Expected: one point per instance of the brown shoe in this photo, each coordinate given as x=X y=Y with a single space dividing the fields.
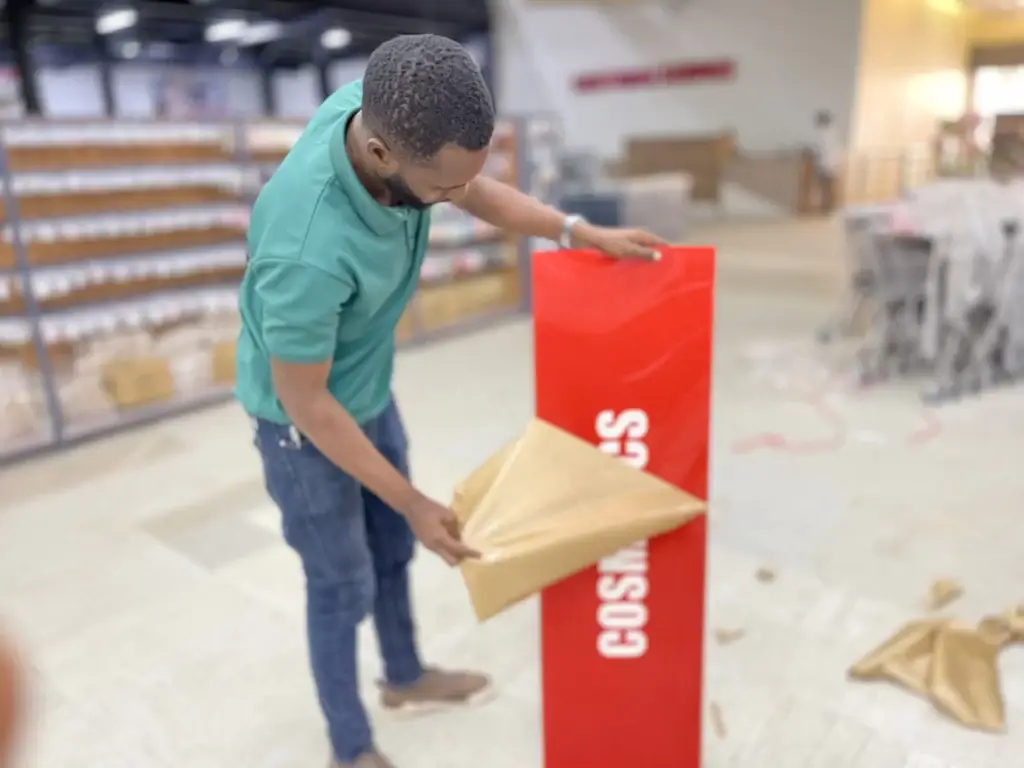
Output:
x=438 y=689
x=369 y=760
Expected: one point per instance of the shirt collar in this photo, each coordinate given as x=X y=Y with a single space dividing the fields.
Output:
x=383 y=220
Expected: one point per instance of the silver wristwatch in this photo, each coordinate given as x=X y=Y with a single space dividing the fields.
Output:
x=568 y=224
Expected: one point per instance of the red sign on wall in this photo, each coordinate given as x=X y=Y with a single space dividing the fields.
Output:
x=663 y=74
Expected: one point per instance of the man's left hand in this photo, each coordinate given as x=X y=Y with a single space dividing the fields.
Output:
x=619 y=243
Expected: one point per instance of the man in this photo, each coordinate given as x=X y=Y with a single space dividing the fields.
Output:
x=827 y=160
x=336 y=241
x=10 y=701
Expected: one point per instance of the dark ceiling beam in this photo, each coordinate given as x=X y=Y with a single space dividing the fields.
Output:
x=269 y=9
x=166 y=20
x=15 y=18
x=71 y=22
x=368 y=12
x=372 y=21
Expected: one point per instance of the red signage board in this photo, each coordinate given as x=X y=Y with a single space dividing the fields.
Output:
x=678 y=73
x=623 y=360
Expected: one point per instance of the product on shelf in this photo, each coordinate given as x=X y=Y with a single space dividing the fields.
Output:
x=268 y=143
x=77 y=193
x=110 y=235
x=132 y=383
x=84 y=397
x=42 y=145
x=118 y=357
x=10 y=295
x=473 y=298
x=90 y=282
x=445 y=266
x=452 y=227
x=23 y=414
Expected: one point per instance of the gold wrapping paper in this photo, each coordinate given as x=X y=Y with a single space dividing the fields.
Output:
x=954 y=665
x=550 y=505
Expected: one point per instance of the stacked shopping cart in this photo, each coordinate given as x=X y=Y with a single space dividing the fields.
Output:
x=937 y=284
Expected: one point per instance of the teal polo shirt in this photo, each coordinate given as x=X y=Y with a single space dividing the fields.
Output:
x=330 y=273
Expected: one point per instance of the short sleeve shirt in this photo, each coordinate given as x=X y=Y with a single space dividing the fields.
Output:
x=330 y=272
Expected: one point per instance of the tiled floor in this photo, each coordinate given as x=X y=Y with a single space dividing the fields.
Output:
x=148 y=582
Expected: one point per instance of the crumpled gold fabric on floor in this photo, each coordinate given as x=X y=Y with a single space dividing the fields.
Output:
x=953 y=665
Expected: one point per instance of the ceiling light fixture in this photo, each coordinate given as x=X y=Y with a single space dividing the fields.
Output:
x=223 y=31
x=115 y=21
x=241 y=32
x=336 y=38
x=260 y=32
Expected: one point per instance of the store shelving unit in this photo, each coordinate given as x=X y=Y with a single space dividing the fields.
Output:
x=122 y=248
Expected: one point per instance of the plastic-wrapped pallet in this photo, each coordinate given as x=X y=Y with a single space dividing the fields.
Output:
x=945 y=276
x=658 y=203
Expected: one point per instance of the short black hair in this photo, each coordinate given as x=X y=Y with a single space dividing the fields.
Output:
x=422 y=92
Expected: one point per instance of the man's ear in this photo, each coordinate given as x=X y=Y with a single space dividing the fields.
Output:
x=380 y=152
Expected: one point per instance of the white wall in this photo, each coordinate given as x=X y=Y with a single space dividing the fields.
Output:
x=793 y=58
x=912 y=72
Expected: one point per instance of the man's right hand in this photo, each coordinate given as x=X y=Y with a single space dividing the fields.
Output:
x=438 y=530
x=303 y=391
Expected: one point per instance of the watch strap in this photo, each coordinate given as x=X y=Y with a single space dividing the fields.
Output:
x=570 y=221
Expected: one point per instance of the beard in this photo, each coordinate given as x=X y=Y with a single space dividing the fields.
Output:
x=400 y=194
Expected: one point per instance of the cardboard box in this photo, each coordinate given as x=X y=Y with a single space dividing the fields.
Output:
x=133 y=383
x=442 y=306
x=223 y=360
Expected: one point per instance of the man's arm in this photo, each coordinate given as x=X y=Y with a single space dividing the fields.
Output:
x=301 y=310
x=507 y=208
x=302 y=390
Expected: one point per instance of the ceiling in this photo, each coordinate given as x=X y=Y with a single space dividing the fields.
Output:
x=174 y=29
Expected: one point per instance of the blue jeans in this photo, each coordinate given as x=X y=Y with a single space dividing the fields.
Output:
x=355 y=552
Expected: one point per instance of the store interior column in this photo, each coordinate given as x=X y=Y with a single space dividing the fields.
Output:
x=15 y=14
x=105 y=69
